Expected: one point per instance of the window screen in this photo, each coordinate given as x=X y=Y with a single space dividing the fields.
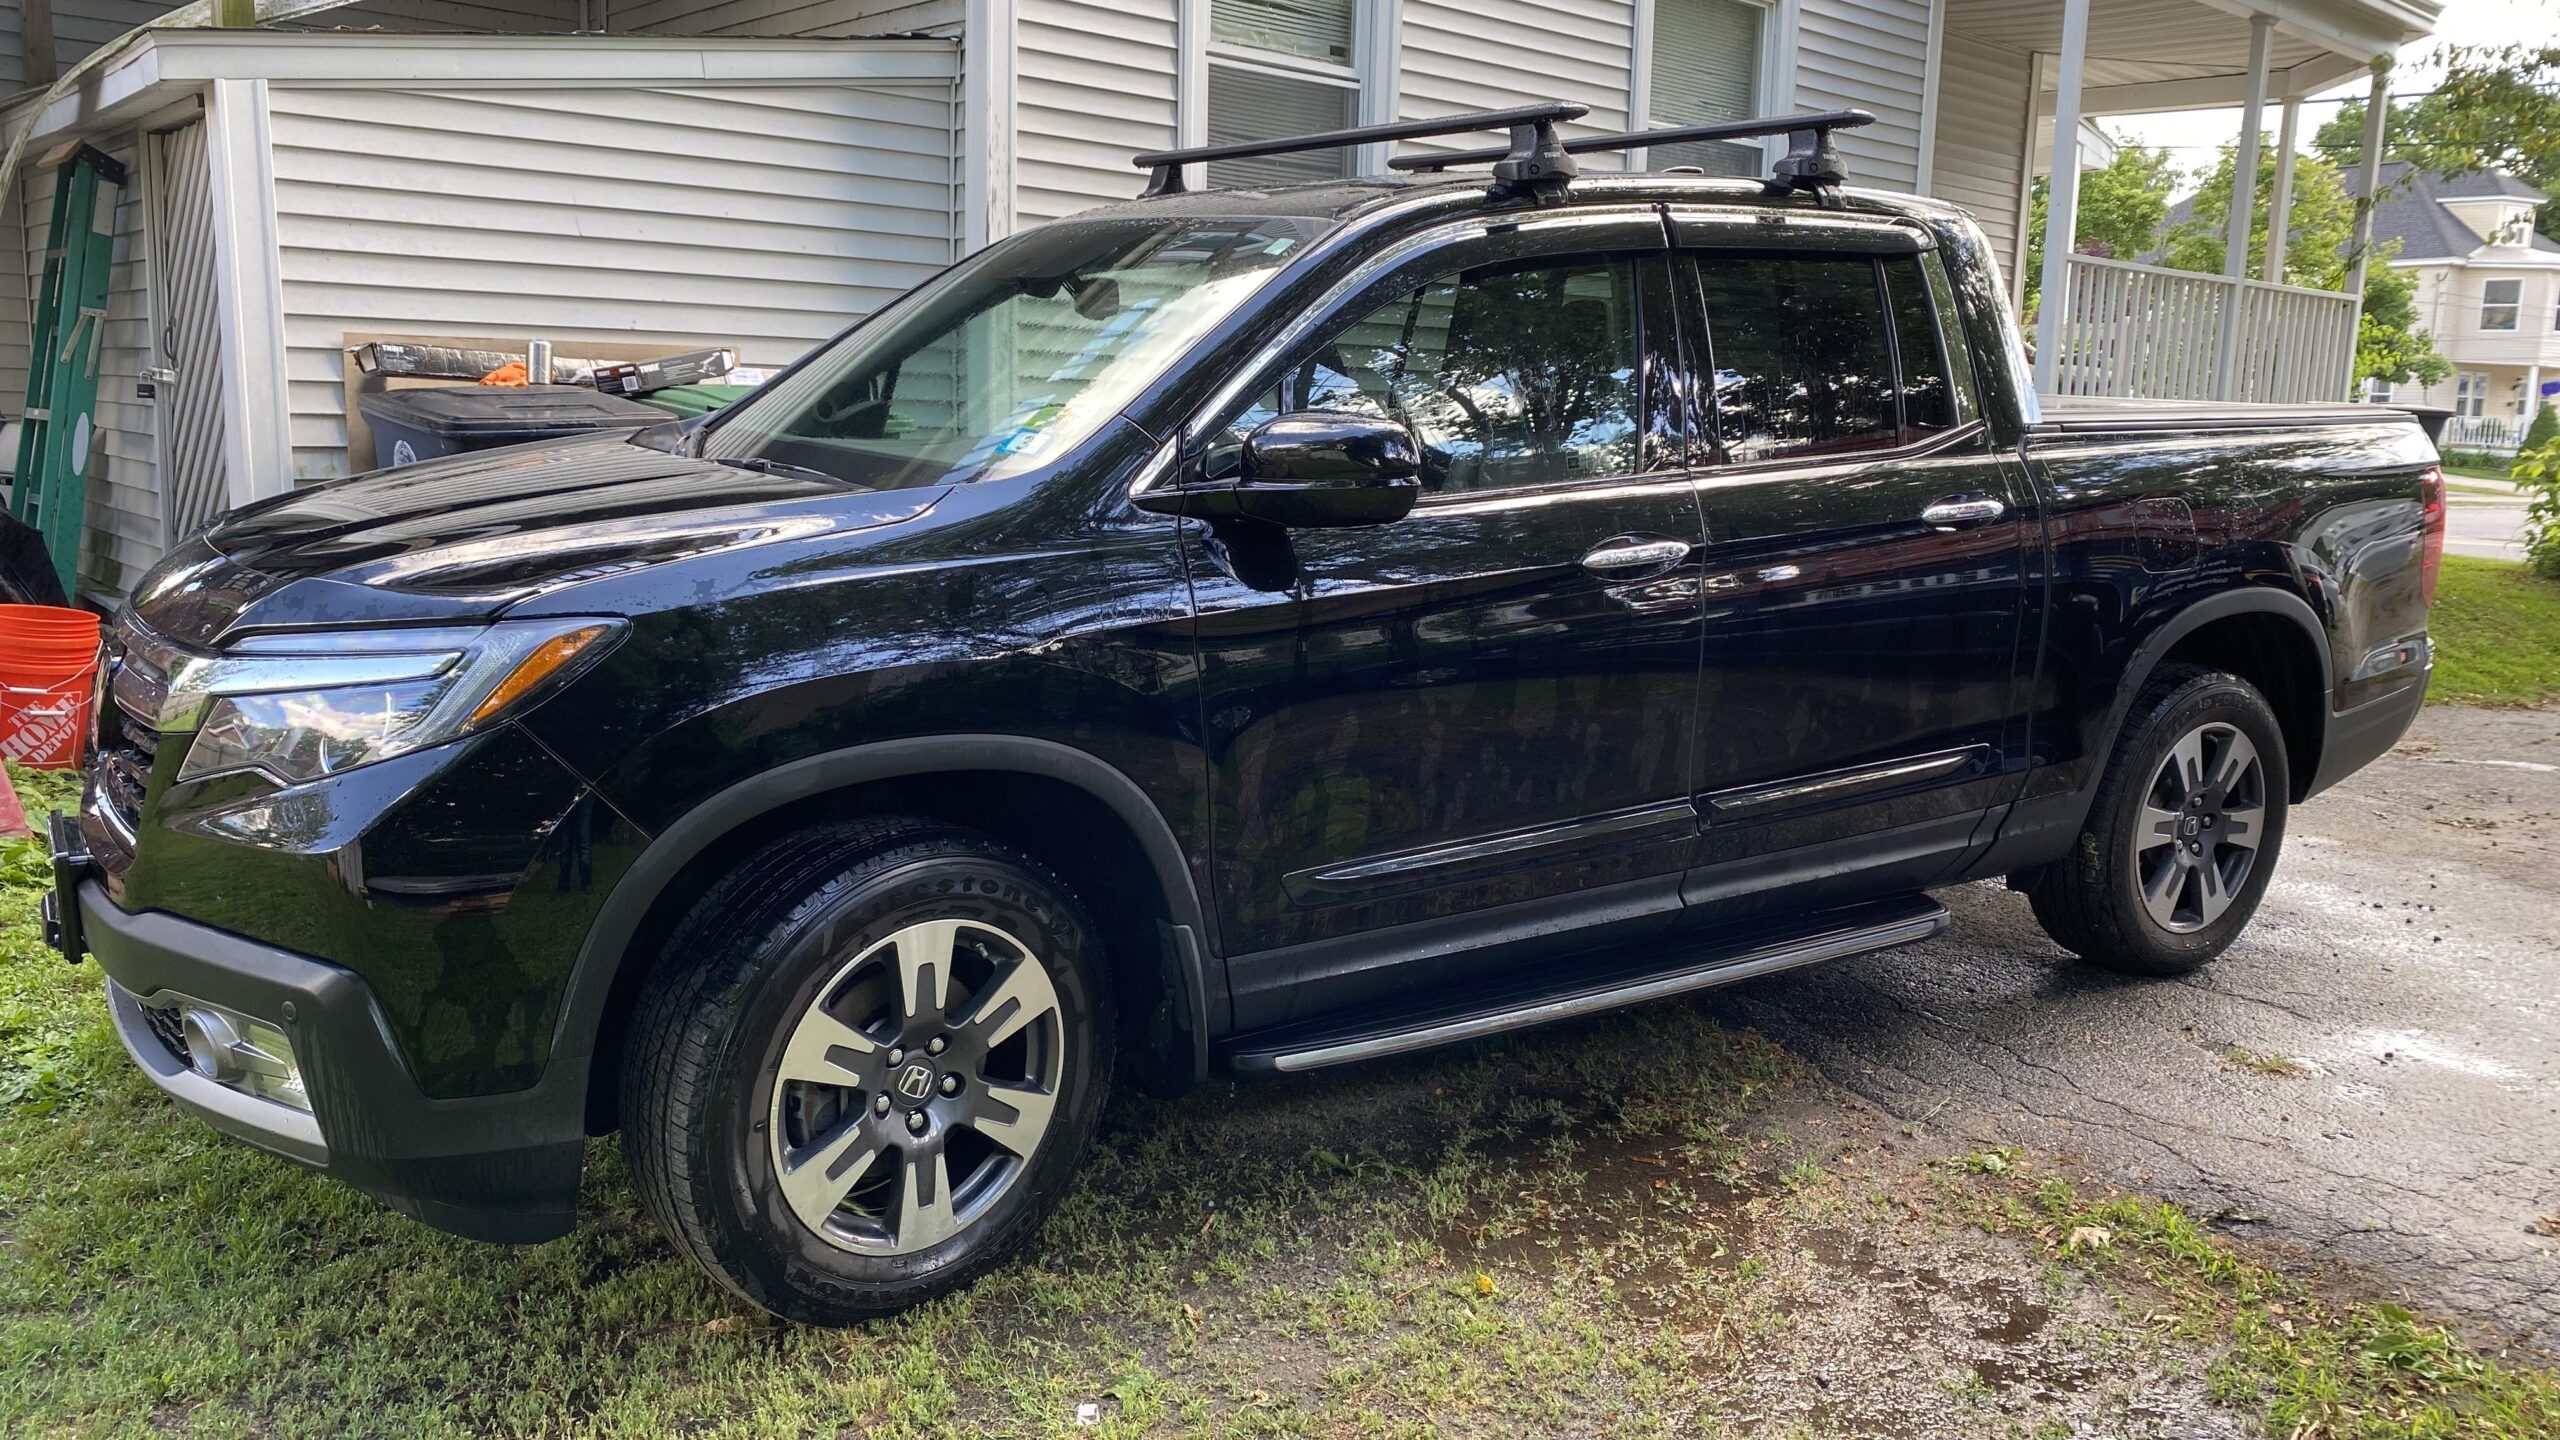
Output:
x=1706 y=67
x=1519 y=375
x=1928 y=400
x=1307 y=29
x=1246 y=104
x=2499 y=301
x=1799 y=354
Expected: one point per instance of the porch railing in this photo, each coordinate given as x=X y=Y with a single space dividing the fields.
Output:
x=2139 y=330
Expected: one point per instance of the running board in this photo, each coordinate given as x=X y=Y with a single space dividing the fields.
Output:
x=1619 y=979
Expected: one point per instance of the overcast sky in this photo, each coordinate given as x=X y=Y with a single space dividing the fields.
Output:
x=2195 y=137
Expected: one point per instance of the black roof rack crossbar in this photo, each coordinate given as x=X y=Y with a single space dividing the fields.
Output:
x=1810 y=162
x=1534 y=162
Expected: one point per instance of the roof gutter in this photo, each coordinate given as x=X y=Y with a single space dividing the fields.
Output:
x=199 y=15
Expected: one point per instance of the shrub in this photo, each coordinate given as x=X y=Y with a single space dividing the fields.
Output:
x=2538 y=470
x=2544 y=429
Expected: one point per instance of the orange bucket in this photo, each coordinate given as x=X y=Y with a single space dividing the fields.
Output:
x=48 y=663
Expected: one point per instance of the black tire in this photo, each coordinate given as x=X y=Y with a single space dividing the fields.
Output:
x=2097 y=902
x=709 y=1122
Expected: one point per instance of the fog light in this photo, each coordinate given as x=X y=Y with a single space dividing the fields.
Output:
x=242 y=1053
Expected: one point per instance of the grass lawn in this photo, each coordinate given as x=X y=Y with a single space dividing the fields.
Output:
x=1642 y=1225
x=2497 y=634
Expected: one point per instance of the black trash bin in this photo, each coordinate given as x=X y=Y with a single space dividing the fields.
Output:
x=425 y=421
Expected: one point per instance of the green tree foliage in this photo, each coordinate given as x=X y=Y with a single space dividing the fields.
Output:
x=2496 y=107
x=2389 y=344
x=2121 y=210
x=2538 y=470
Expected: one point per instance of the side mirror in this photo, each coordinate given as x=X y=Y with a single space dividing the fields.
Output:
x=1313 y=469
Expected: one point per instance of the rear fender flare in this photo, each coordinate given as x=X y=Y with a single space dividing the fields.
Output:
x=2256 y=600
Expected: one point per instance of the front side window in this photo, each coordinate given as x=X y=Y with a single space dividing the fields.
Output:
x=1012 y=357
x=1509 y=376
x=1799 y=355
x=1281 y=67
x=1706 y=68
x=2499 y=302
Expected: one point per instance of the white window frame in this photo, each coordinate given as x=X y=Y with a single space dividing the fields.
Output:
x=2514 y=308
x=2377 y=391
x=1768 y=78
x=2470 y=393
x=1376 y=55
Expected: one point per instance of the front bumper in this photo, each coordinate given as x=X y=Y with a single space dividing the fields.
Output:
x=497 y=1167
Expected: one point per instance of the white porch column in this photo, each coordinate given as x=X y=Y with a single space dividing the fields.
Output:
x=2062 y=198
x=2377 y=104
x=2280 y=204
x=2244 y=205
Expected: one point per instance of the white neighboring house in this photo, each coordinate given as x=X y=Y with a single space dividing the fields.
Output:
x=2488 y=290
x=760 y=173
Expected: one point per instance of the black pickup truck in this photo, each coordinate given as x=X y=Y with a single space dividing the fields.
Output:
x=1230 y=632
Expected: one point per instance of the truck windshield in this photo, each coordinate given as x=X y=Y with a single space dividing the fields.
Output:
x=1010 y=358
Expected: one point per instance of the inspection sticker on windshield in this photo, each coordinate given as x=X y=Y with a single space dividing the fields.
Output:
x=1026 y=436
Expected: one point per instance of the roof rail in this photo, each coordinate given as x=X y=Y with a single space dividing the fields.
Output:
x=1534 y=164
x=1809 y=164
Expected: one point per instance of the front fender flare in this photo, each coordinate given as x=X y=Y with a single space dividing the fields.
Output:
x=604 y=953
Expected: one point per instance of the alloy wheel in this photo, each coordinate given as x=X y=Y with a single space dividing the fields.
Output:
x=913 y=1090
x=2197 y=834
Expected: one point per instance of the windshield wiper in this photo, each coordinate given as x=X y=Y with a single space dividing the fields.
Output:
x=767 y=465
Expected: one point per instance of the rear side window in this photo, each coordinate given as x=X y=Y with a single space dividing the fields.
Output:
x=1928 y=401
x=1800 y=355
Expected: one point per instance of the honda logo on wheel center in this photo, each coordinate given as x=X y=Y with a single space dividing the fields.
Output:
x=915 y=1082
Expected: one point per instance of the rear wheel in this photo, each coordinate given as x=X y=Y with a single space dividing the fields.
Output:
x=866 y=1067
x=2182 y=839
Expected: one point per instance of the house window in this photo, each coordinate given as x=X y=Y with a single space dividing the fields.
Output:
x=1706 y=67
x=2377 y=391
x=1281 y=67
x=2470 y=392
x=2499 y=302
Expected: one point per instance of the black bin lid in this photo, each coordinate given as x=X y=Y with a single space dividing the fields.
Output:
x=507 y=409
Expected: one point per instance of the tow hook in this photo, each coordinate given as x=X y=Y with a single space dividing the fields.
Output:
x=61 y=909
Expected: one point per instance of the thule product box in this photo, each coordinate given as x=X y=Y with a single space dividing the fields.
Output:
x=423 y=422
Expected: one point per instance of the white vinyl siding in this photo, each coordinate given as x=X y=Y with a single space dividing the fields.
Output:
x=121 y=536
x=1492 y=54
x=765 y=217
x=1868 y=55
x=1982 y=108
x=1095 y=85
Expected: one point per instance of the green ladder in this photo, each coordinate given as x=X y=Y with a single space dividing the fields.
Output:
x=57 y=437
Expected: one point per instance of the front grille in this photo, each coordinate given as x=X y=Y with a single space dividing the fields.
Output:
x=127 y=744
x=170 y=1029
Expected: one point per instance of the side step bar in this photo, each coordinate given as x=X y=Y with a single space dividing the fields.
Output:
x=1612 y=983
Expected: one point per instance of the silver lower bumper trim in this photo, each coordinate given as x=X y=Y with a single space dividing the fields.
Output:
x=292 y=1133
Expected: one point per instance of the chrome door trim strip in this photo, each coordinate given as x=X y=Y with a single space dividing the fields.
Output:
x=1325 y=884
x=1746 y=800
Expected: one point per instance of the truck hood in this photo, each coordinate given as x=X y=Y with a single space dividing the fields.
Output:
x=467 y=536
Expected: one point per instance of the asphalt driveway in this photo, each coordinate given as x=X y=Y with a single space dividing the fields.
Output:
x=2372 y=1074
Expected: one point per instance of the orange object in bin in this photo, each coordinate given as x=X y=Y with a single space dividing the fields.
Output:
x=48 y=671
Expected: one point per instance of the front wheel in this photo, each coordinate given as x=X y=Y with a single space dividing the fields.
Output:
x=2182 y=838
x=866 y=1067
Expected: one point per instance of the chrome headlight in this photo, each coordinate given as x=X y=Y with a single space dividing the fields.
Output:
x=300 y=707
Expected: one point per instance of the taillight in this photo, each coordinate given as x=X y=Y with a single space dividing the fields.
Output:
x=2431 y=549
